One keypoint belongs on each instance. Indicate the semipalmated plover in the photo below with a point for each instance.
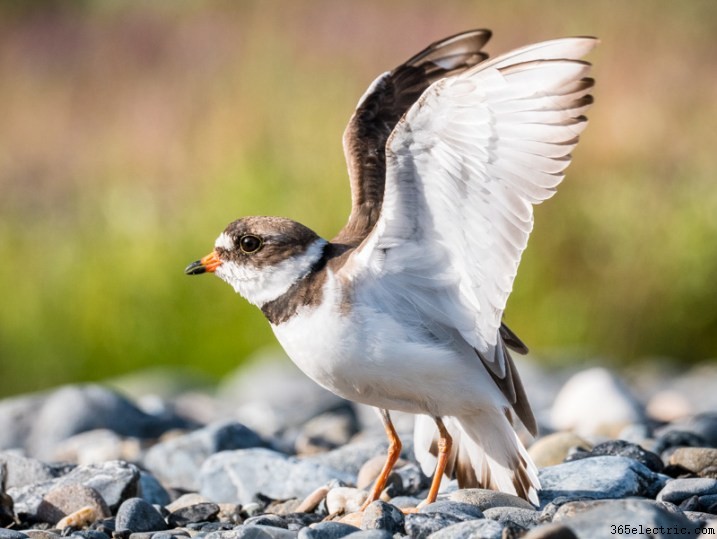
(402, 310)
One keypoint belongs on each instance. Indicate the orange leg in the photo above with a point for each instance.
(394, 450)
(445, 442)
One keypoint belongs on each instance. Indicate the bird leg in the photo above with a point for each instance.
(394, 450)
(445, 443)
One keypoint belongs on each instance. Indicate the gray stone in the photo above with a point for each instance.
(90, 534)
(351, 457)
(598, 478)
(200, 512)
(270, 395)
(19, 471)
(382, 516)
(701, 461)
(151, 490)
(238, 476)
(421, 525)
(569, 509)
(471, 529)
(138, 516)
(11, 534)
(552, 449)
(407, 480)
(370, 534)
(253, 532)
(604, 521)
(115, 481)
(485, 499)
(74, 409)
(595, 402)
(406, 502)
(621, 448)
(463, 511)
(64, 500)
(524, 518)
(275, 521)
(550, 531)
(94, 446)
(176, 462)
(327, 530)
(678, 490)
(327, 431)
(17, 416)
(42, 534)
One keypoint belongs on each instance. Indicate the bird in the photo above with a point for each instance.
(447, 155)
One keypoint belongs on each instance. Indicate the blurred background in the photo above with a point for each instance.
(131, 133)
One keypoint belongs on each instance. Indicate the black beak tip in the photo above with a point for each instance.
(195, 268)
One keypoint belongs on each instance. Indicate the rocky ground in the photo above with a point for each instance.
(269, 455)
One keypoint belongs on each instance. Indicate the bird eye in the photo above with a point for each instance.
(250, 244)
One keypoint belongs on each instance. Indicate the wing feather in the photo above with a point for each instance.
(465, 165)
(377, 113)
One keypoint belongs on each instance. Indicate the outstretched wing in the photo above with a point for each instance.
(465, 166)
(378, 111)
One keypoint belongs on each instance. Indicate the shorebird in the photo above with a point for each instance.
(403, 310)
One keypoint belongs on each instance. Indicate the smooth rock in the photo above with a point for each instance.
(370, 534)
(327, 431)
(270, 395)
(312, 501)
(351, 457)
(678, 490)
(598, 478)
(96, 446)
(283, 507)
(201, 512)
(64, 500)
(342, 500)
(382, 516)
(421, 525)
(176, 462)
(485, 499)
(276, 521)
(42, 534)
(186, 500)
(407, 480)
(19, 471)
(114, 481)
(553, 448)
(327, 530)
(463, 511)
(73, 409)
(668, 440)
(524, 518)
(151, 490)
(471, 529)
(603, 521)
(406, 502)
(11, 534)
(253, 532)
(138, 516)
(569, 509)
(550, 531)
(595, 402)
(237, 476)
(621, 448)
(17, 418)
(701, 461)
(370, 470)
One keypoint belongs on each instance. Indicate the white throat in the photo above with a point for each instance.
(262, 285)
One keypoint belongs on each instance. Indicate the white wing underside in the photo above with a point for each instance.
(465, 166)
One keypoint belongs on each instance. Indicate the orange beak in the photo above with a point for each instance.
(207, 264)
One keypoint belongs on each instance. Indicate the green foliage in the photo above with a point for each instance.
(132, 135)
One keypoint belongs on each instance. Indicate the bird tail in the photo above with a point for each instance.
(486, 453)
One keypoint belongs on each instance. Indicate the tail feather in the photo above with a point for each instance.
(486, 453)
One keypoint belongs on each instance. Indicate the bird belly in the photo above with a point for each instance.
(371, 358)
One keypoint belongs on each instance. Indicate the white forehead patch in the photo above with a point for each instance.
(224, 241)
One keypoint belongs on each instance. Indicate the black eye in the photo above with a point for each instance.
(250, 244)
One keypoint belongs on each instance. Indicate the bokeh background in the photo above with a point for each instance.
(131, 133)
